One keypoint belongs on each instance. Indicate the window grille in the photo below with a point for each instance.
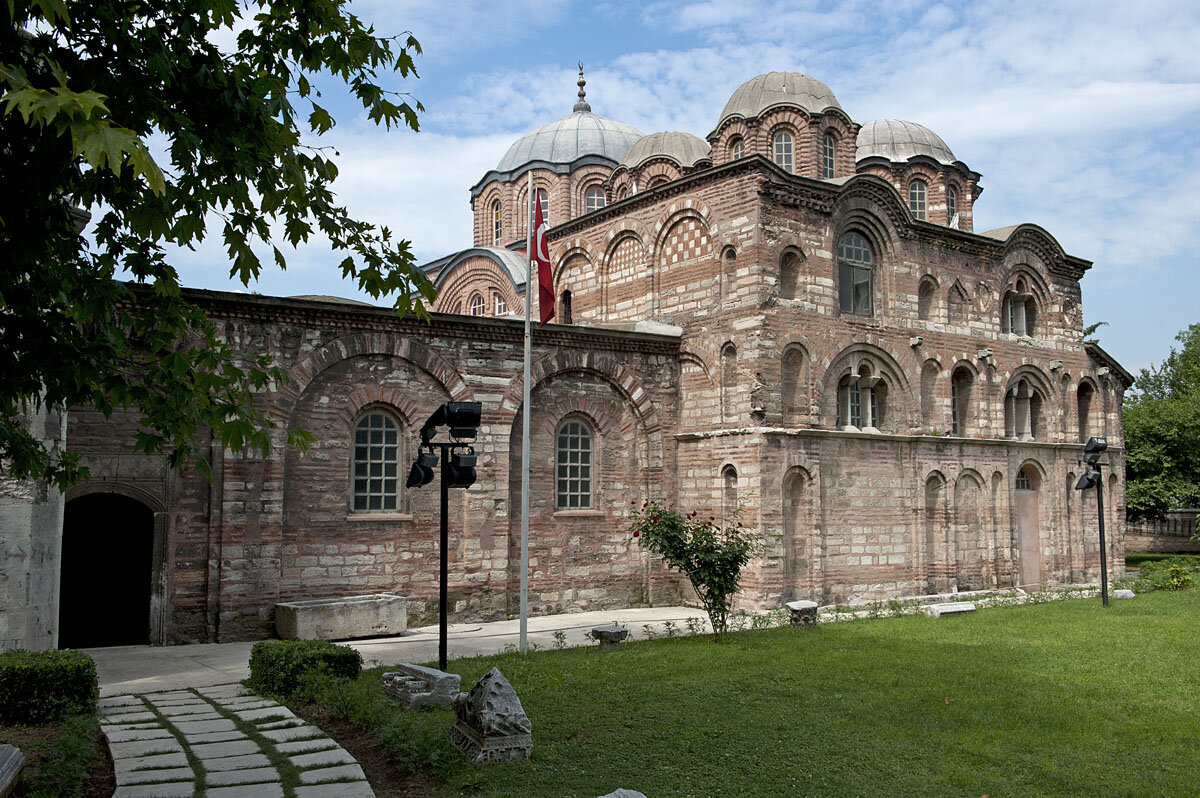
(916, 198)
(574, 466)
(783, 150)
(376, 455)
(828, 149)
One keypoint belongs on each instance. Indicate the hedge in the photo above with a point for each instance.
(276, 666)
(37, 686)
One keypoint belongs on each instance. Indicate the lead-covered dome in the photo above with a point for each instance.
(779, 88)
(682, 148)
(897, 140)
(569, 139)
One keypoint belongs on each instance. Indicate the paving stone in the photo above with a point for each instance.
(232, 748)
(215, 737)
(349, 789)
(265, 714)
(204, 726)
(252, 776)
(137, 748)
(131, 717)
(183, 710)
(246, 791)
(304, 732)
(247, 702)
(154, 724)
(115, 713)
(118, 701)
(223, 691)
(339, 773)
(157, 775)
(174, 702)
(281, 724)
(178, 789)
(323, 759)
(130, 735)
(235, 762)
(176, 760)
(305, 746)
(167, 695)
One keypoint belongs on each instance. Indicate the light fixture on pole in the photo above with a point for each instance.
(1091, 478)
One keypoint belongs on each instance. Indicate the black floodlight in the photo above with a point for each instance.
(463, 419)
(436, 420)
(461, 469)
(1088, 479)
(422, 469)
(1093, 449)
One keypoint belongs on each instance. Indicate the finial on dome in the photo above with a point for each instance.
(582, 104)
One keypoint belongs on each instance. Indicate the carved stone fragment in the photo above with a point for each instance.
(414, 686)
(492, 726)
(610, 637)
(803, 614)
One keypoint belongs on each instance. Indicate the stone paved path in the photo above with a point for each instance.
(222, 742)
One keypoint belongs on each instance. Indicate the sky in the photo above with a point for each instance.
(1082, 117)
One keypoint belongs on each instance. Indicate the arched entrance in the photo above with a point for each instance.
(1028, 526)
(107, 552)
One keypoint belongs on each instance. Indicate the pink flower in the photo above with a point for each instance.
(655, 518)
(644, 505)
(636, 533)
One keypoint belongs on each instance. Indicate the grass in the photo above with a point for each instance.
(61, 757)
(1064, 698)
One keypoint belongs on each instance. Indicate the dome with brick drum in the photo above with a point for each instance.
(682, 148)
(568, 139)
(897, 141)
(774, 89)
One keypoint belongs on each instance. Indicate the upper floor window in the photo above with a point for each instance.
(501, 305)
(497, 224)
(729, 276)
(657, 181)
(789, 274)
(960, 400)
(737, 147)
(375, 486)
(594, 199)
(916, 198)
(783, 150)
(926, 297)
(828, 149)
(729, 498)
(854, 275)
(861, 401)
(1022, 412)
(1018, 311)
(477, 307)
(574, 466)
(951, 206)
(543, 198)
(728, 381)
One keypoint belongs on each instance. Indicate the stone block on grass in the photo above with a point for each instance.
(492, 725)
(342, 618)
(949, 608)
(802, 614)
(415, 686)
(609, 637)
(12, 762)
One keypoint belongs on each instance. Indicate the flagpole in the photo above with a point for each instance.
(525, 464)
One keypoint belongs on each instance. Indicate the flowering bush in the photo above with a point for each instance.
(711, 556)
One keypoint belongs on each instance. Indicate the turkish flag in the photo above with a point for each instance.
(541, 256)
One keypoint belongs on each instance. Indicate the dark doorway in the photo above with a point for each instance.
(106, 561)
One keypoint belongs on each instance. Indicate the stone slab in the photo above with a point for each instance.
(157, 776)
(415, 686)
(185, 711)
(203, 726)
(153, 724)
(1122, 594)
(215, 737)
(348, 789)
(178, 789)
(281, 724)
(304, 732)
(231, 748)
(246, 791)
(126, 718)
(338, 773)
(176, 760)
(235, 762)
(374, 615)
(130, 735)
(624, 793)
(949, 608)
(246, 702)
(265, 714)
(139, 748)
(12, 762)
(323, 759)
(118, 701)
(250, 776)
(306, 746)
(167, 695)
(219, 691)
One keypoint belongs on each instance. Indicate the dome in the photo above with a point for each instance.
(779, 88)
(570, 138)
(898, 141)
(682, 148)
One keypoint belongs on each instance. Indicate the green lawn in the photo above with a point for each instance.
(1065, 698)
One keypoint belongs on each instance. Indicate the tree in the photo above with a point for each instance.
(86, 85)
(1162, 432)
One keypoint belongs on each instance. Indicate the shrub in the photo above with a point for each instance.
(711, 556)
(37, 686)
(277, 666)
(1169, 573)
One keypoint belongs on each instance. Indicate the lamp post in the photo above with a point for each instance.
(1091, 477)
(458, 471)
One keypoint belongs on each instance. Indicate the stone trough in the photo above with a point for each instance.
(375, 615)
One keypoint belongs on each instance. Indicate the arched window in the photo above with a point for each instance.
(862, 401)
(783, 150)
(657, 181)
(594, 199)
(960, 400)
(374, 484)
(729, 499)
(951, 206)
(729, 273)
(854, 275)
(1022, 412)
(477, 306)
(792, 384)
(501, 305)
(925, 298)
(728, 380)
(956, 304)
(1018, 311)
(789, 274)
(1023, 480)
(828, 149)
(573, 466)
(1084, 398)
(737, 147)
(565, 315)
(916, 198)
(543, 198)
(622, 193)
(497, 224)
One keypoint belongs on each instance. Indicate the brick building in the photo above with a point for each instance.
(794, 314)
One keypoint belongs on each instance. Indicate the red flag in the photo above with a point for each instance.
(541, 256)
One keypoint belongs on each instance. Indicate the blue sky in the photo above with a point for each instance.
(1082, 117)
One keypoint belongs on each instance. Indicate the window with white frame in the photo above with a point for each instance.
(951, 204)
(828, 149)
(737, 148)
(916, 198)
(574, 466)
(497, 224)
(477, 306)
(854, 275)
(783, 150)
(543, 198)
(862, 401)
(594, 199)
(375, 486)
(501, 305)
